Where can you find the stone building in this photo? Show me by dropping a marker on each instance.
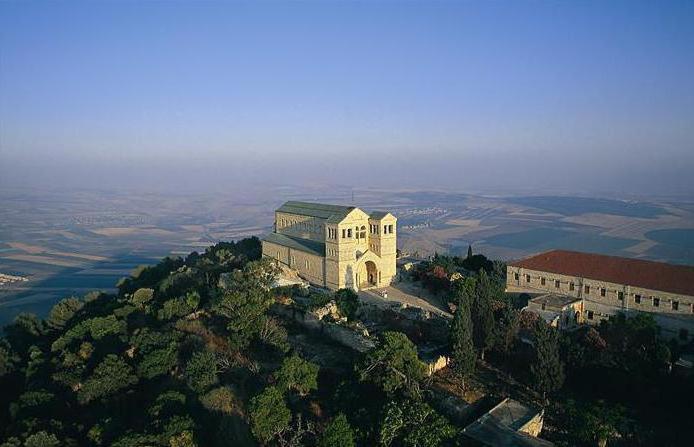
(334, 246)
(559, 311)
(609, 284)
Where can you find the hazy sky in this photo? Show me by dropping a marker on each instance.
(539, 95)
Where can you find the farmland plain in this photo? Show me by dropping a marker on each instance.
(69, 242)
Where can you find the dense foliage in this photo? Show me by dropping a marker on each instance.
(192, 351)
(189, 352)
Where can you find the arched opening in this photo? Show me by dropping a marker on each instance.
(367, 275)
(371, 273)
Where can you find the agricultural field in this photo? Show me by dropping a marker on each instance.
(70, 242)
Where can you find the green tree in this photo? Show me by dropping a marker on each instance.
(110, 376)
(183, 439)
(62, 312)
(158, 362)
(413, 423)
(7, 359)
(506, 329)
(463, 352)
(393, 364)
(483, 315)
(338, 433)
(297, 374)
(101, 327)
(142, 297)
(167, 404)
(221, 399)
(201, 371)
(42, 439)
(274, 334)
(547, 370)
(595, 422)
(246, 301)
(24, 331)
(469, 252)
(269, 414)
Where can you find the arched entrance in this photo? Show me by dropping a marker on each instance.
(367, 275)
(371, 273)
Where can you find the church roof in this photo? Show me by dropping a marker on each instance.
(295, 243)
(320, 210)
(379, 214)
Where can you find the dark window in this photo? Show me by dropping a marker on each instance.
(527, 278)
(587, 290)
(684, 334)
(571, 286)
(675, 305)
(344, 234)
(656, 302)
(637, 299)
(590, 314)
(543, 306)
(620, 296)
(349, 233)
(515, 276)
(556, 283)
(542, 281)
(603, 291)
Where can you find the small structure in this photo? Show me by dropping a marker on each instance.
(434, 357)
(559, 311)
(509, 423)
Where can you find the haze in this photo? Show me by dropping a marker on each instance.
(581, 97)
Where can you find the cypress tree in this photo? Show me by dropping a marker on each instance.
(462, 349)
(547, 369)
(483, 315)
(469, 251)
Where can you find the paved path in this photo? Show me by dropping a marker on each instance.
(403, 294)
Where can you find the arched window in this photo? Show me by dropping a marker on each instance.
(363, 232)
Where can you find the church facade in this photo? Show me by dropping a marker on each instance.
(334, 246)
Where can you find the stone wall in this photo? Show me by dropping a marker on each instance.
(342, 334)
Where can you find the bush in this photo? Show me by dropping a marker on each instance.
(318, 300)
(347, 302)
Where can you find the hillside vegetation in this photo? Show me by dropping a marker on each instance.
(187, 353)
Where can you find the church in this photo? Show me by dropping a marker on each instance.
(334, 246)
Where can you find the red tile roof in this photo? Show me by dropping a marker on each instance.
(677, 279)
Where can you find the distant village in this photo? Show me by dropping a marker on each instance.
(6, 280)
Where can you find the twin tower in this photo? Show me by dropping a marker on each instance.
(334, 246)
